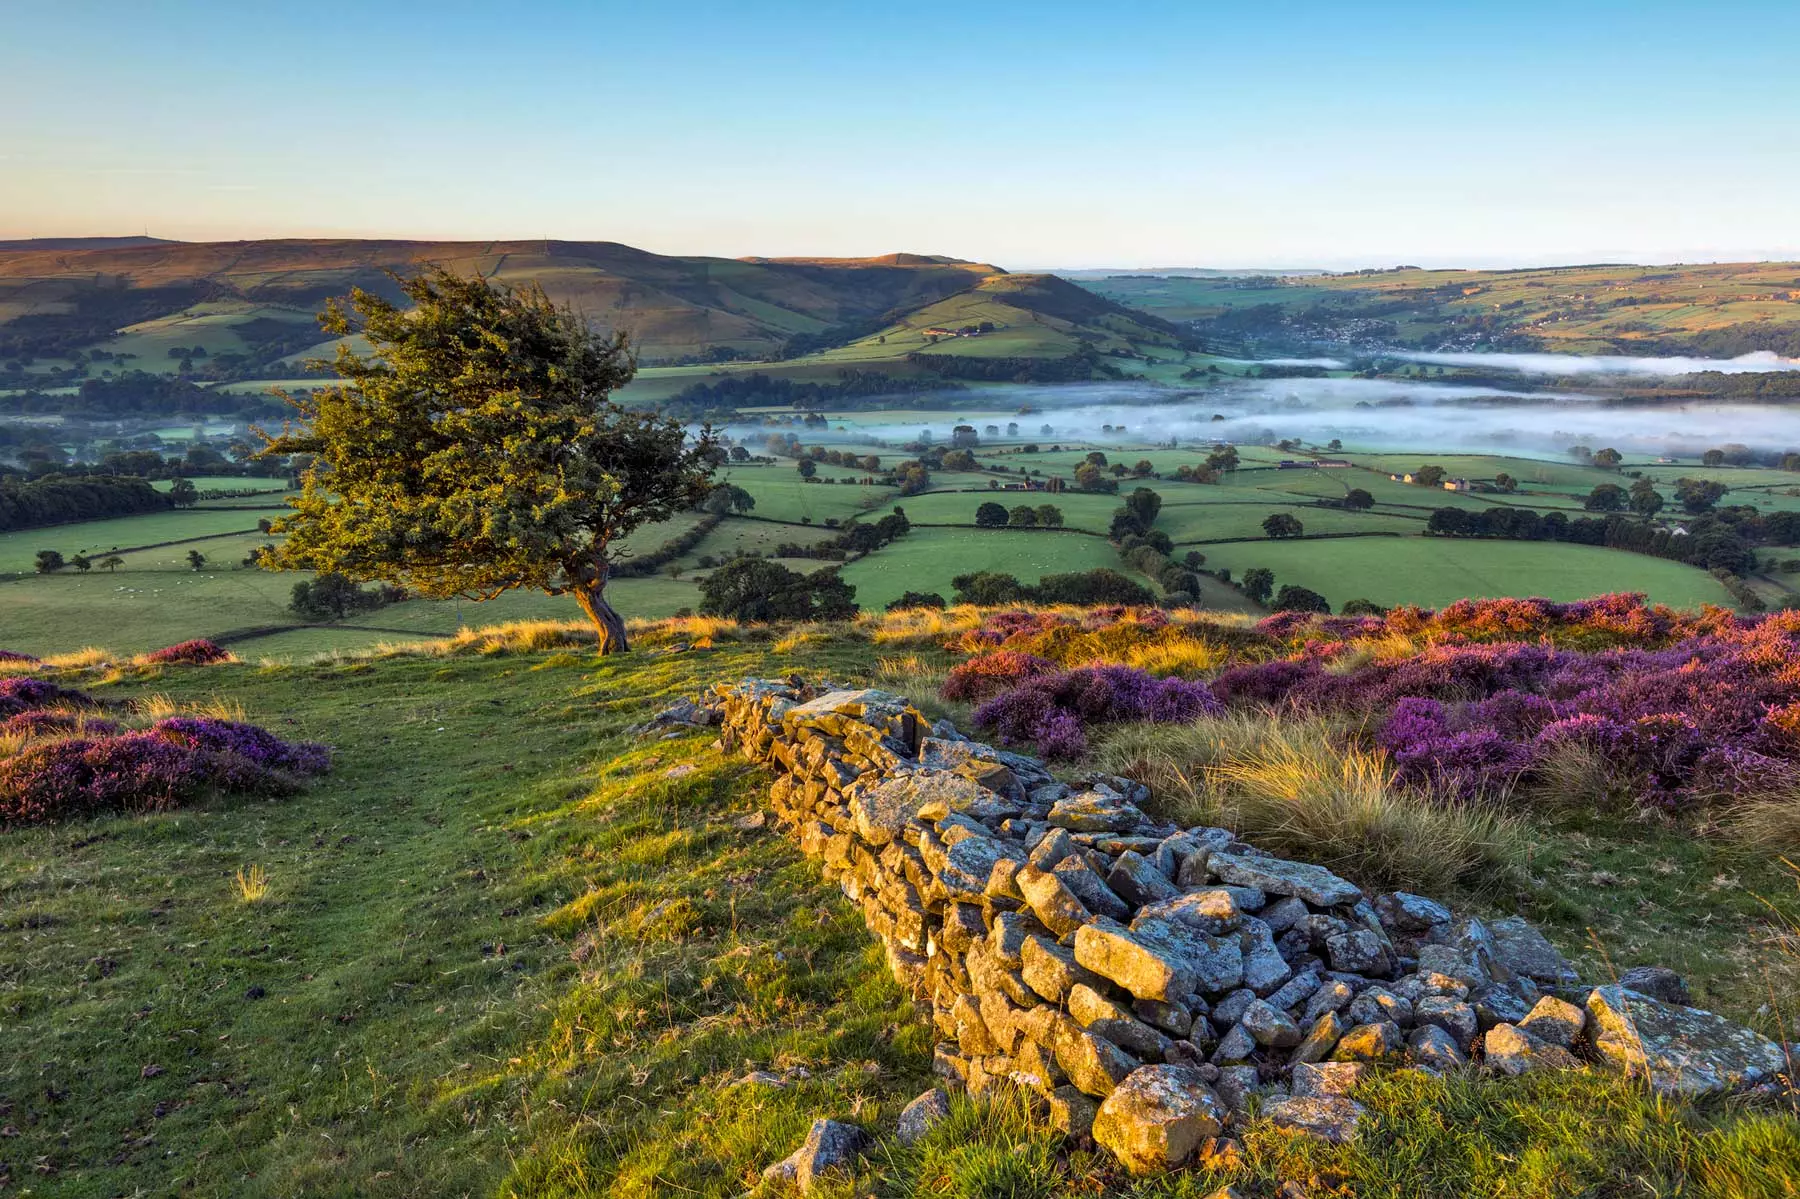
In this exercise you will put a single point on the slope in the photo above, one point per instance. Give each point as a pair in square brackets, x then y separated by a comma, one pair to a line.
[57, 300]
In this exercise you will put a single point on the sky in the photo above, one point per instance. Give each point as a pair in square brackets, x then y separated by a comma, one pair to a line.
[1285, 133]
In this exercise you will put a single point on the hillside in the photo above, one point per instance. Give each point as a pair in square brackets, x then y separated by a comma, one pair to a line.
[252, 298]
[524, 939]
[1715, 309]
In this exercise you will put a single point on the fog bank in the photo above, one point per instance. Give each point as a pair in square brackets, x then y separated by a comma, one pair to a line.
[1606, 364]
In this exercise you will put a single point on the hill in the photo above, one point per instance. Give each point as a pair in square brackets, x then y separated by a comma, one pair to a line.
[252, 299]
[516, 942]
[1713, 309]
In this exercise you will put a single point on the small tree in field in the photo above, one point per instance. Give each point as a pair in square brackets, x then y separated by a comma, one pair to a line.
[476, 450]
[1281, 524]
[49, 561]
[196, 561]
[183, 493]
[111, 563]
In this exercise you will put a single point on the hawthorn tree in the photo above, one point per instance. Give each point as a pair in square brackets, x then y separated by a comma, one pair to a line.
[476, 450]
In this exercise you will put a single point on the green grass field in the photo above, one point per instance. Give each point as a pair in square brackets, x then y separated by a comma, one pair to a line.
[927, 560]
[226, 483]
[18, 550]
[1434, 571]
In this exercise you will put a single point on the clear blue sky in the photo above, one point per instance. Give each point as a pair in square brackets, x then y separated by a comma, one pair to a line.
[1027, 134]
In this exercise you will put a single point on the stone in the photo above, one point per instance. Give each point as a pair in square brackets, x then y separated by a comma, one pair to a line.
[1373, 1005]
[1096, 812]
[917, 1117]
[1452, 1015]
[1327, 1080]
[1554, 1020]
[830, 1148]
[1007, 936]
[1284, 913]
[1138, 882]
[1332, 996]
[1295, 991]
[969, 864]
[1315, 884]
[1522, 949]
[949, 1064]
[1072, 1113]
[1320, 1039]
[1369, 1042]
[1271, 1026]
[1173, 1018]
[1094, 1064]
[1091, 889]
[1453, 963]
[1431, 1046]
[1237, 1044]
[1051, 970]
[882, 811]
[1158, 960]
[1498, 1003]
[1658, 982]
[1512, 1051]
[1331, 1119]
[1214, 911]
[1358, 952]
[1155, 1119]
[1231, 1009]
[1264, 967]
[1053, 848]
[1052, 902]
[1408, 913]
[1681, 1050]
[1104, 1018]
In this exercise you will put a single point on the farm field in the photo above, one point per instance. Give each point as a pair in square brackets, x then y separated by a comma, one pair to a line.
[1436, 571]
[19, 549]
[929, 559]
[226, 483]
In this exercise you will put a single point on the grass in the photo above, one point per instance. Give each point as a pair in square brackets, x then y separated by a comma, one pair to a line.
[1437, 571]
[508, 949]
[98, 537]
[1294, 785]
[927, 559]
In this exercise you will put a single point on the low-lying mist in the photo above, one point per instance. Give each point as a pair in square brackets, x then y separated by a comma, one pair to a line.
[1605, 364]
[1365, 414]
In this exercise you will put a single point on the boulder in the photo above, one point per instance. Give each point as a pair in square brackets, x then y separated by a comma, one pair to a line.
[1138, 882]
[1368, 1042]
[1320, 1039]
[1072, 1113]
[1522, 949]
[1511, 1050]
[1455, 1017]
[1554, 1020]
[830, 1147]
[1096, 812]
[1327, 1080]
[1408, 913]
[1332, 1119]
[1431, 1046]
[1155, 1119]
[917, 1117]
[1052, 902]
[1681, 1050]
[1315, 884]
[1658, 982]
[1271, 1026]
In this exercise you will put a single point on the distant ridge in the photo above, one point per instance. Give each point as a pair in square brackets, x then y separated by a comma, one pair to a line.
[83, 243]
[1179, 272]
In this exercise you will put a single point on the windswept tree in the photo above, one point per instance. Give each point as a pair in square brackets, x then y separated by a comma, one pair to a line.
[476, 450]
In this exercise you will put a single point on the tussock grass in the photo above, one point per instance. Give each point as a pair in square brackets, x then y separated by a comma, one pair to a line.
[159, 706]
[1188, 659]
[252, 884]
[522, 637]
[90, 658]
[1301, 785]
[910, 675]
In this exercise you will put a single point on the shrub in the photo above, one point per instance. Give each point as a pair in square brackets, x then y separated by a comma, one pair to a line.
[19, 693]
[1054, 710]
[198, 652]
[990, 674]
[758, 590]
[917, 599]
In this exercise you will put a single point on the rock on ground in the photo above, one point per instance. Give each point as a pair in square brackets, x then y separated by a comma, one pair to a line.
[1154, 1120]
[1682, 1050]
[830, 1146]
[917, 1118]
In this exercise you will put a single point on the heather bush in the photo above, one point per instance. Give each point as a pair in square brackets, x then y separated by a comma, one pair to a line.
[198, 652]
[1053, 711]
[989, 674]
[66, 763]
[7, 655]
[21, 693]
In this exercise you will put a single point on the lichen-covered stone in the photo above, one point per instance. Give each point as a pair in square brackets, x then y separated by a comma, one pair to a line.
[1155, 1119]
[1431, 1046]
[1321, 1038]
[1332, 1118]
[1051, 902]
[830, 1148]
[1511, 1050]
[1658, 982]
[1681, 1050]
[1095, 812]
[1522, 949]
[1452, 1015]
[1072, 1113]
[1315, 884]
[1369, 1042]
[918, 1117]
[1554, 1020]
[1135, 880]
[1326, 1080]
[1271, 1026]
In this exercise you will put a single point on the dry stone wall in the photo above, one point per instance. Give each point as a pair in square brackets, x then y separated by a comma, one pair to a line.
[1147, 979]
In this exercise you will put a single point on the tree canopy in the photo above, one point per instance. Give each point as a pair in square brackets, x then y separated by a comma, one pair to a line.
[476, 450]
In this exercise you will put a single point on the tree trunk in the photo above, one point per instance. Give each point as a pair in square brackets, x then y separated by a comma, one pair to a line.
[611, 626]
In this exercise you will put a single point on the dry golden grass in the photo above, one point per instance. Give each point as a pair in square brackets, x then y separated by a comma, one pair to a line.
[910, 675]
[1768, 822]
[253, 886]
[1303, 786]
[159, 707]
[90, 658]
[1188, 659]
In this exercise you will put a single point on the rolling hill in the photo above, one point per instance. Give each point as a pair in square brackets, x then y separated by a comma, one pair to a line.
[256, 298]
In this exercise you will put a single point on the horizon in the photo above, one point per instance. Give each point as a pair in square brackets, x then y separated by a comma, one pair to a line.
[1305, 136]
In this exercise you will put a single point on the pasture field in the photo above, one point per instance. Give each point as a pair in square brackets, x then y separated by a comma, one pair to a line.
[1434, 571]
[781, 494]
[18, 550]
[226, 483]
[928, 559]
